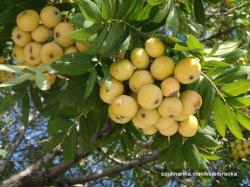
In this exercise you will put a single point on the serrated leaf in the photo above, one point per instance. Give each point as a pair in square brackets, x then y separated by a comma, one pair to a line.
[194, 44]
[70, 146]
[90, 10]
[57, 124]
[204, 140]
[239, 102]
[25, 109]
[243, 119]
[219, 116]
[237, 88]
[53, 142]
[199, 11]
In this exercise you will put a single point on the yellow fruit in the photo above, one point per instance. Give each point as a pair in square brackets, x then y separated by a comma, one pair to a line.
[121, 70]
[151, 130]
[188, 127]
[50, 77]
[154, 47]
[245, 144]
[5, 76]
[28, 20]
[241, 154]
[232, 144]
[162, 67]
[62, 34]
[170, 107]
[69, 50]
[238, 147]
[51, 52]
[124, 107]
[20, 38]
[234, 151]
[170, 87]
[32, 53]
[40, 34]
[137, 123]
[150, 96]
[2, 59]
[115, 90]
[50, 16]
[180, 117]
[139, 79]
[167, 126]
[117, 119]
[140, 58]
[191, 102]
[187, 70]
[18, 54]
[147, 117]
[82, 46]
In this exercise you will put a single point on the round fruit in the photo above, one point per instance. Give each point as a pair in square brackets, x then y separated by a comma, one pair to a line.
[62, 34]
[20, 38]
[150, 96]
[191, 102]
[139, 58]
[32, 53]
[117, 119]
[167, 126]
[238, 147]
[149, 130]
[82, 47]
[121, 70]
[162, 67]
[170, 107]
[40, 34]
[154, 47]
[137, 123]
[108, 94]
[241, 154]
[188, 127]
[139, 79]
[124, 107]
[187, 70]
[147, 117]
[69, 50]
[28, 20]
[245, 145]
[50, 77]
[170, 87]
[51, 52]
[232, 144]
[18, 54]
[180, 117]
[50, 16]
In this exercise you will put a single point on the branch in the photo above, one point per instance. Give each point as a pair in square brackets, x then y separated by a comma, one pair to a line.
[114, 169]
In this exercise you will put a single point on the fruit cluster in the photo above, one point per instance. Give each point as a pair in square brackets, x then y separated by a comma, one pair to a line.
[154, 102]
[42, 39]
[240, 148]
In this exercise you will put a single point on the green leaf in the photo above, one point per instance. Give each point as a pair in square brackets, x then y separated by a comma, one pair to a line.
[36, 99]
[90, 10]
[194, 44]
[193, 157]
[226, 48]
[234, 56]
[90, 83]
[155, 2]
[219, 116]
[210, 157]
[25, 109]
[160, 143]
[9, 100]
[53, 142]
[164, 10]
[239, 102]
[77, 20]
[41, 81]
[243, 119]
[204, 140]
[237, 88]
[58, 124]
[199, 11]
[74, 64]
[11, 68]
[86, 33]
[70, 146]
[109, 8]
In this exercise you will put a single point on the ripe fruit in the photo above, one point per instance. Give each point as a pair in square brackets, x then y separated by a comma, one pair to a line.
[18, 54]
[170, 107]
[117, 119]
[139, 58]
[137, 123]
[82, 47]
[150, 96]
[121, 70]
[154, 47]
[32, 53]
[181, 117]
[124, 107]
[69, 50]
[147, 117]
[139, 79]
[28, 20]
[167, 126]
[149, 130]
[187, 70]
[40, 34]
[62, 34]
[50, 77]
[50, 16]
[51, 52]
[191, 102]
[162, 67]
[188, 127]
[20, 38]
[170, 87]
[115, 90]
